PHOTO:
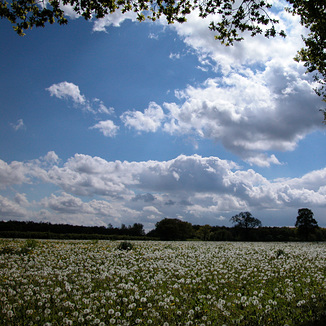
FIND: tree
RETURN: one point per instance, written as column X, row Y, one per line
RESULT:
column 137, row 230
column 204, row 232
column 306, row 223
column 313, row 16
column 173, row 229
column 245, row 220
column 250, row 15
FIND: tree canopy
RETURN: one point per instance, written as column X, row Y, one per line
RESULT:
column 306, row 223
column 173, row 229
column 233, row 19
column 245, row 220
column 313, row 16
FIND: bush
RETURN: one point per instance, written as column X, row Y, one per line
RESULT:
column 279, row 253
column 125, row 245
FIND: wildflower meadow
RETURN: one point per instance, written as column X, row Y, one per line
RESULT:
column 161, row 283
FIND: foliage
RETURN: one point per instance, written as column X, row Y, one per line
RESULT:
column 125, row 245
column 179, row 283
column 173, row 229
column 204, row 232
column 136, row 230
column 279, row 253
column 313, row 16
column 245, row 220
column 34, row 230
column 249, row 16
column 306, row 223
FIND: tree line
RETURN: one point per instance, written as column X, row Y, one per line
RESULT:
column 30, row 229
column 245, row 228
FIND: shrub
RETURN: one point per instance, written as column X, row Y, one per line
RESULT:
column 125, row 245
column 279, row 252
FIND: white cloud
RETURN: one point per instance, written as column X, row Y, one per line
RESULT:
column 13, row 173
column 252, row 50
column 21, row 199
column 66, row 204
column 115, row 19
column 10, row 209
column 262, row 102
column 70, row 91
column 108, row 128
column 153, row 36
column 206, row 187
column 65, row 90
column 149, row 121
column 18, row 125
column 249, row 113
column 174, row 56
column 102, row 108
column 51, row 158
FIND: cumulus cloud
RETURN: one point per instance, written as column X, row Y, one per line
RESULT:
column 260, row 102
column 147, row 198
column 252, row 50
column 247, row 115
column 148, row 121
column 66, row 203
column 115, row 19
column 94, row 191
column 21, row 199
column 66, row 208
column 69, row 91
column 13, row 173
column 250, row 114
column 107, row 128
column 11, row 209
column 51, row 158
column 65, row 90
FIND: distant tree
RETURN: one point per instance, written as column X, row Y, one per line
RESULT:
column 137, row 230
column 173, row 229
column 245, row 220
column 306, row 224
column 204, row 232
column 221, row 234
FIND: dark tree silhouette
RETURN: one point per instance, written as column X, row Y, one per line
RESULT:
column 306, row 224
column 245, row 220
column 173, row 229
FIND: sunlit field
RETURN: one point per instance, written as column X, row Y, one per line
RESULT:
column 161, row 283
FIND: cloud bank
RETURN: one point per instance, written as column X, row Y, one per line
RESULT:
column 199, row 189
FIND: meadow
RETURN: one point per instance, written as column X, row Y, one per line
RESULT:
column 161, row 283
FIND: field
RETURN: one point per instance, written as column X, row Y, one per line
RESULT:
column 161, row 283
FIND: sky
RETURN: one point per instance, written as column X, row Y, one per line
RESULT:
column 115, row 121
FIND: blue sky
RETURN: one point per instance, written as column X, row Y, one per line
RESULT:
column 114, row 121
